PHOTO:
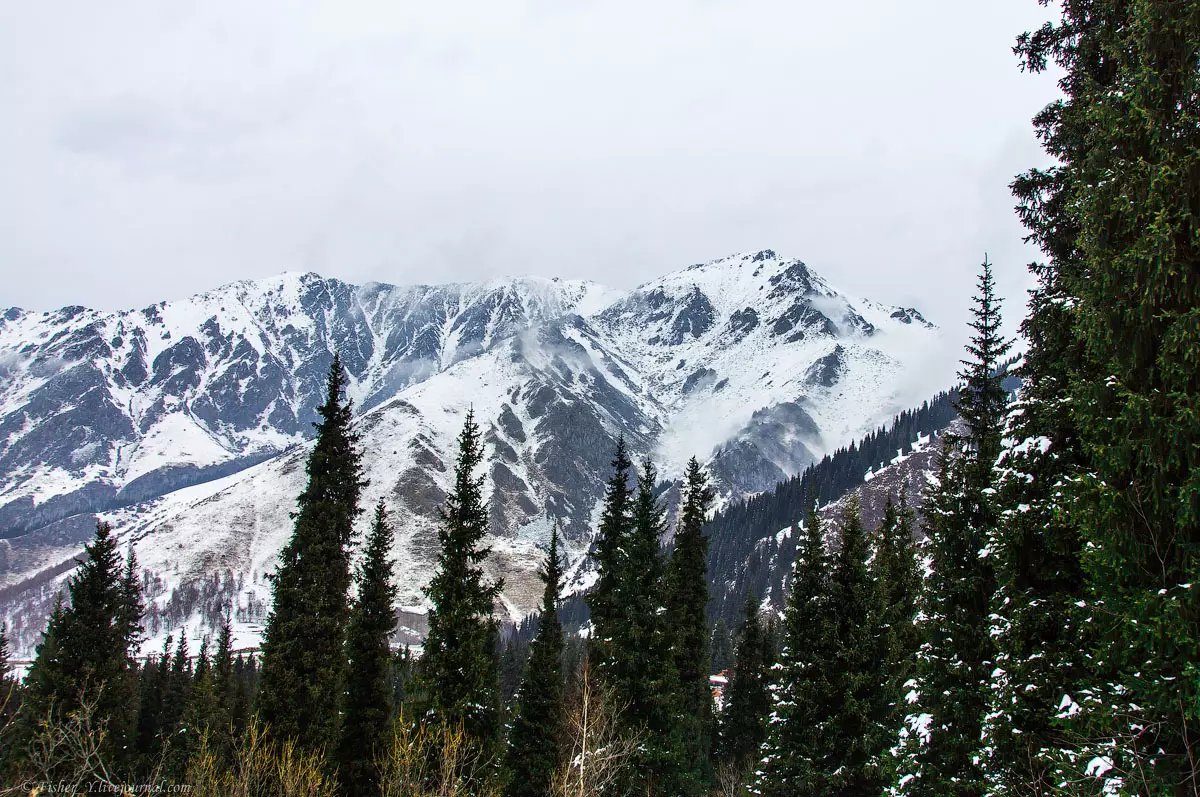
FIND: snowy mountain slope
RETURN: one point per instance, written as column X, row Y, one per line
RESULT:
column 99, row 410
column 753, row 363
column 759, row 356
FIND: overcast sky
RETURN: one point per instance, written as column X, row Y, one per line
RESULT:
column 150, row 150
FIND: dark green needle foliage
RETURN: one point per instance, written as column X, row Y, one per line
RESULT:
column 790, row 764
column 534, row 744
column 687, row 622
column 460, row 669
column 605, row 601
column 367, row 697
column 87, row 650
column 303, row 658
column 643, row 675
column 941, row 750
column 747, row 696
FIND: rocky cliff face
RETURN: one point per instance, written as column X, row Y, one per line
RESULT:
column 186, row 423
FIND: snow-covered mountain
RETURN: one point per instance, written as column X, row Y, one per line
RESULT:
column 186, row 423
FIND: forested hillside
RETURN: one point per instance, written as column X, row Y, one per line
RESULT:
column 1033, row 630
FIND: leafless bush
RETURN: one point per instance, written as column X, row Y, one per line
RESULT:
column 260, row 768
column 434, row 760
column 67, row 751
column 600, row 752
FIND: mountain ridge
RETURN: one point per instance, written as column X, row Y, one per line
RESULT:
column 751, row 362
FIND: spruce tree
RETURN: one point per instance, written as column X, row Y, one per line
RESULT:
column 1041, row 612
column 10, row 697
column 85, row 652
column 941, row 751
column 1133, row 192
column 789, row 765
column 533, row 746
column 200, row 715
column 851, row 735
column 748, row 696
column 460, row 668
column 897, row 575
column 178, row 687
column 131, row 605
column 510, row 672
column 642, row 673
column 302, row 651
column 224, row 686
column 720, row 645
column 687, row 622
column 366, row 699
column 605, row 601
column 8, row 683
column 152, row 687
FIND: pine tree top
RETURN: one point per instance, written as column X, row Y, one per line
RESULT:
column 551, row 574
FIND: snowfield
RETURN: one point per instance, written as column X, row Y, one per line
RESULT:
column 186, row 424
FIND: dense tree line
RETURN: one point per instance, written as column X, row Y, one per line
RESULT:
column 736, row 534
column 1038, row 634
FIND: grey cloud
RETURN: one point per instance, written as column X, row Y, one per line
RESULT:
column 164, row 150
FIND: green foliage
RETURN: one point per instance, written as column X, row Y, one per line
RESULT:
column 747, row 697
column 687, row 623
column 152, row 686
column 852, row 735
column 459, row 668
column 87, row 648
column 302, row 652
column 605, row 601
column 720, row 645
column 897, row 577
column 790, row 764
column 1100, row 560
column 1136, row 194
column 534, row 750
column 366, row 697
column 642, row 674
column 10, row 702
column 940, row 751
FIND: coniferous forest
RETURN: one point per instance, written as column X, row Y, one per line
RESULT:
column 1034, row 630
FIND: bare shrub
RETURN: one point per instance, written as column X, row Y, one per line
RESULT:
column 434, row 760
column 600, row 751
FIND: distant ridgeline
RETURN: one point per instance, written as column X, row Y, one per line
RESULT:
column 746, row 551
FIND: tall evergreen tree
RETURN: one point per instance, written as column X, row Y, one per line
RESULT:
column 534, row 749
column 224, row 676
column 687, row 622
column 1132, row 191
column 85, row 652
column 7, row 682
column 748, row 696
column 642, row 674
column 10, row 697
column 152, row 687
column 302, row 651
column 852, row 736
column 789, row 765
column 1041, row 610
column 941, row 748
column 460, row 667
column 366, row 699
column 131, row 605
column 174, row 741
column 201, row 717
column 897, row 574
column 721, row 648
column 605, row 601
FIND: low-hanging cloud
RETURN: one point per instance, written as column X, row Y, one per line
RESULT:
column 156, row 150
